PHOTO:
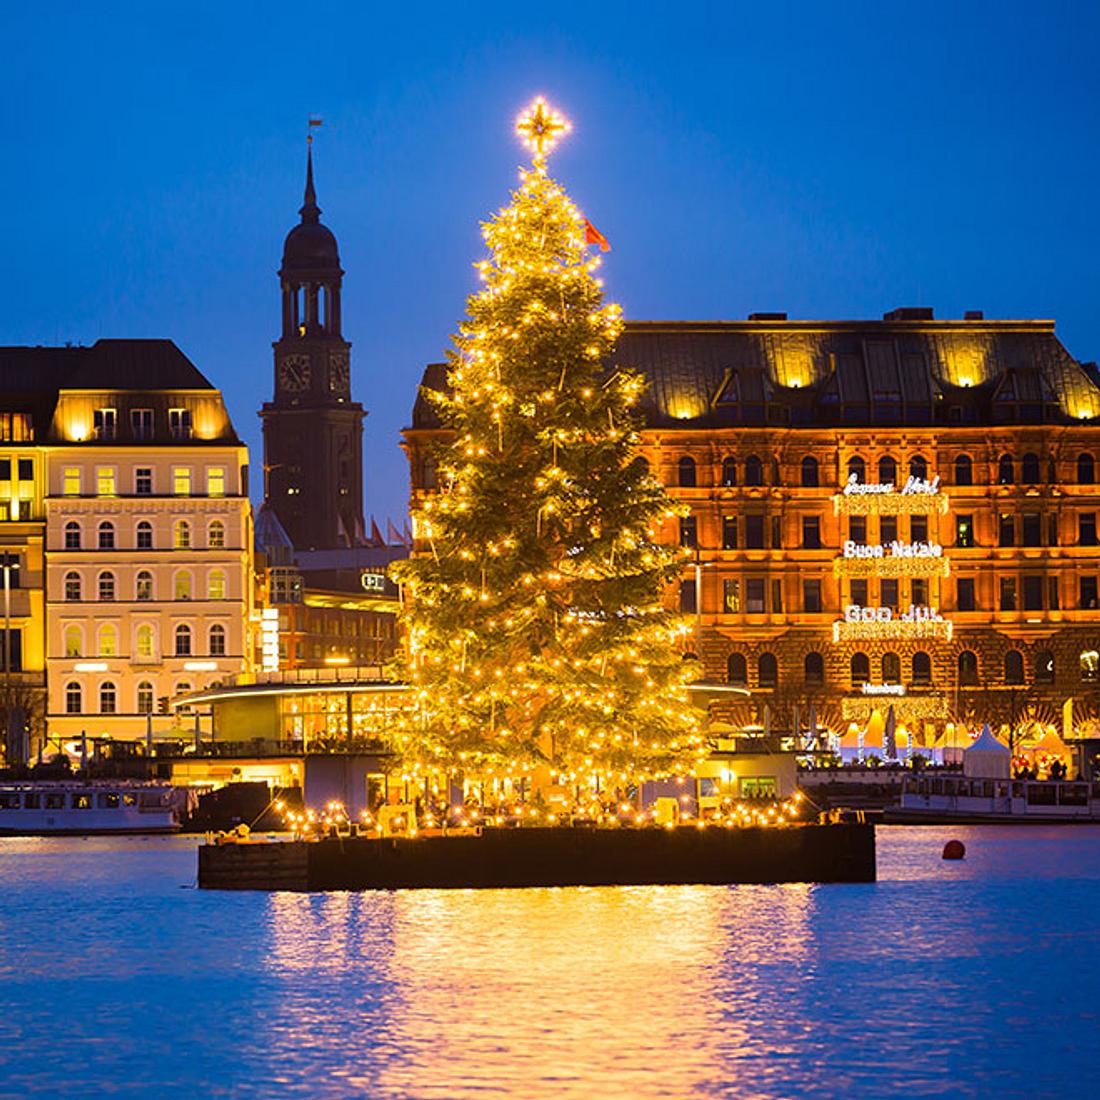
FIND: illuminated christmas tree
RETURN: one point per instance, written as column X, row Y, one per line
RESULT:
column 536, row 625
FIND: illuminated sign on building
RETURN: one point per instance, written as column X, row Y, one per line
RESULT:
column 883, row 689
column 860, row 623
column 269, row 639
column 372, row 582
column 896, row 549
column 917, row 495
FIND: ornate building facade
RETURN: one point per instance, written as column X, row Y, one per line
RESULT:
column 902, row 510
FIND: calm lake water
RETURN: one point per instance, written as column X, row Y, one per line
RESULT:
column 979, row 978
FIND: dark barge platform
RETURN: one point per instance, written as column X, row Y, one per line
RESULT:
column 547, row 857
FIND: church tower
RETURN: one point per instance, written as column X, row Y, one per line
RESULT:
column 313, row 431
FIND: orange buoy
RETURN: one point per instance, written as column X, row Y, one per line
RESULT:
column 954, row 849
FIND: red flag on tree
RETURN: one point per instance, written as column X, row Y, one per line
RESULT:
column 593, row 236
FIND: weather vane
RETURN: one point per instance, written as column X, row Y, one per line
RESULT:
column 540, row 127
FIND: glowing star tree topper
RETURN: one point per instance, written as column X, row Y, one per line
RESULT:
column 541, row 127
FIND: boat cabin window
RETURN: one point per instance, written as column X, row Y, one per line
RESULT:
column 108, row 800
column 32, row 800
column 55, row 801
column 81, row 800
column 9, row 800
column 129, row 799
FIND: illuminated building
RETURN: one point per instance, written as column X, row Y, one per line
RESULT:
column 972, row 590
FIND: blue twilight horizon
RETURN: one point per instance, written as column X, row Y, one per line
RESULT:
column 831, row 162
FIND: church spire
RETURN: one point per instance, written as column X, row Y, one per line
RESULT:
column 310, row 211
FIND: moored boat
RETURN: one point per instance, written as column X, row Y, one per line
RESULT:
column 946, row 799
column 71, row 807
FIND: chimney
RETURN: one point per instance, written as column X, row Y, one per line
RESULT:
column 974, row 315
column 909, row 313
column 767, row 316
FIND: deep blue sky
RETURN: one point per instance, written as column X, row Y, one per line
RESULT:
column 831, row 160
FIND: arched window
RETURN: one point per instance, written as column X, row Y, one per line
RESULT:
column 887, row 471
column 1006, row 475
column 106, row 586
column 918, row 467
column 72, row 586
column 964, row 470
column 106, row 535
column 1014, row 667
column 922, row 668
column 144, row 535
column 74, row 698
column 736, row 670
column 215, row 535
column 182, row 539
column 686, row 473
column 74, row 641
column 1044, row 667
column 108, row 698
column 143, row 588
column 809, row 472
column 145, row 697
column 857, row 466
column 1090, row 664
column 754, row 471
column 145, row 640
column 729, row 471
column 183, row 640
column 1086, row 469
column 767, row 670
column 968, row 668
column 215, row 585
column 217, row 640
column 431, row 475
column 860, row 666
column 813, row 668
column 1029, row 469
column 182, row 688
column 108, row 640
column 183, row 585
column 72, row 535
column 891, row 668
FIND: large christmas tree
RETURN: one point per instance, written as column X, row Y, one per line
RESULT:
column 534, row 607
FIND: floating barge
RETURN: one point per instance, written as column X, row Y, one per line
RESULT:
column 547, row 857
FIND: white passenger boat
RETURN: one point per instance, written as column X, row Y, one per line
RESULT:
column 88, row 808
column 948, row 799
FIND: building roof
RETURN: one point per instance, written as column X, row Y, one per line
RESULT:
column 906, row 369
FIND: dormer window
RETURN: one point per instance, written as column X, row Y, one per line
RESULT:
column 141, row 423
column 104, row 422
column 179, row 423
column 15, row 428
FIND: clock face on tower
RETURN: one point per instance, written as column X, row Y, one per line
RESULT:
column 338, row 374
column 294, row 373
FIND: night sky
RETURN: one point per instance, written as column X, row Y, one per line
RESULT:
column 833, row 161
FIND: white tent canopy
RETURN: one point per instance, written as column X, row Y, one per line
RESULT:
column 987, row 758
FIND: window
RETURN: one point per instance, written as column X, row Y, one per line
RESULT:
column 729, row 532
column 777, row 597
column 145, row 641
column 887, row 471
column 72, row 586
column 106, row 481
column 918, row 467
column 1052, row 529
column 143, row 587
column 215, row 481
column 108, row 641
column 887, row 529
column 1044, row 667
column 919, row 587
column 964, row 531
column 181, row 481
column 108, row 698
column 858, row 588
column 891, row 668
column 754, row 532
column 16, row 428
column 813, row 669
column 1086, row 528
column 754, row 471
column 1029, row 469
column 918, row 528
column 141, row 423
column 1088, row 592
column 811, row 595
column 1005, row 472
column 183, row 585
column 70, row 485
column 809, row 472
column 183, row 640
column 888, row 594
column 215, row 535
column 103, row 423
column 729, row 472
column 777, row 533
column 767, row 670
column 1090, row 664
column 860, row 668
column 811, row 532
column 1033, row 592
column 968, row 668
column 217, row 641
column 754, row 595
column 686, row 473
column 1014, row 667
column 1053, row 588
column 921, row 669
column 964, row 470
column 144, row 535
column 143, row 481
column 26, row 469
column 857, row 466
column 182, row 535
column 736, row 669
column 106, row 586
column 731, row 596
column 1006, row 529
column 689, row 531
column 857, row 530
column 215, row 587
column 145, row 697
column 74, row 642
column 1008, row 594
column 179, row 423
column 74, row 698
column 1086, row 469
column 72, row 535
column 106, row 535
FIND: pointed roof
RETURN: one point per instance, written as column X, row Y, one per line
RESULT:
column 987, row 742
column 310, row 247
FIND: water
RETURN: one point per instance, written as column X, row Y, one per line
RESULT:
column 118, row 978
